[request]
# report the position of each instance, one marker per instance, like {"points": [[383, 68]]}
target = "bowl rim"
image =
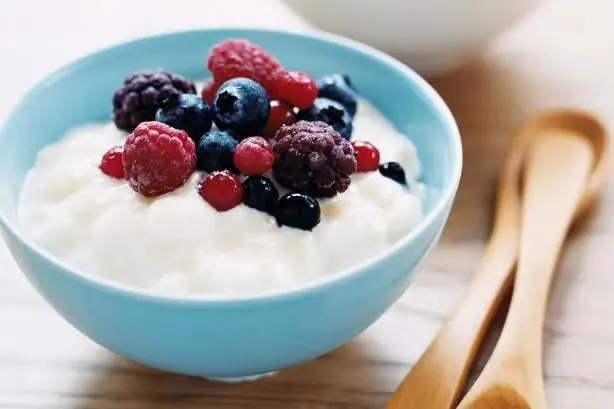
{"points": [[224, 300]]}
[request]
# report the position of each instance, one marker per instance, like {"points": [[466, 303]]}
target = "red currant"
{"points": [[296, 88], [208, 91], [222, 190], [112, 163], [253, 156], [281, 114], [367, 156]]}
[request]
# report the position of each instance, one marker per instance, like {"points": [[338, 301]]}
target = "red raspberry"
{"points": [[234, 58], [367, 156], [158, 158], [296, 88], [281, 114], [253, 156], [222, 190], [208, 91], [112, 163]]}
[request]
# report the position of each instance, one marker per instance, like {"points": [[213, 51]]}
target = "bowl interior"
{"points": [[82, 91]]}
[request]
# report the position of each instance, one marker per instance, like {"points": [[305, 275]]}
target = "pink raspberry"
{"points": [[158, 158], [234, 58], [296, 88], [253, 156]]}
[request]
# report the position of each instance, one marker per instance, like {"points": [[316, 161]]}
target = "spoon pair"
{"points": [[559, 158]]}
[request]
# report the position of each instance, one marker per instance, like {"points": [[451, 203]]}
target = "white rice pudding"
{"points": [[177, 244]]}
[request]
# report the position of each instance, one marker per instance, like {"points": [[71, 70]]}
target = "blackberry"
{"points": [[313, 158], [142, 93]]}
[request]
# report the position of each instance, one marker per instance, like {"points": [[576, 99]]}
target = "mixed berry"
{"points": [[281, 141]]}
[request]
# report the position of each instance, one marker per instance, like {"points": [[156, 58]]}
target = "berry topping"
{"points": [[187, 112], [233, 58], [253, 156], [260, 193], [141, 94], [281, 114], [338, 87], [208, 91], [242, 106], [158, 158], [222, 190], [313, 158], [331, 112], [296, 88], [394, 171], [367, 156], [297, 210], [215, 151], [112, 163]]}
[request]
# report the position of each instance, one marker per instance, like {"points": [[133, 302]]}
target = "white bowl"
{"points": [[433, 36]]}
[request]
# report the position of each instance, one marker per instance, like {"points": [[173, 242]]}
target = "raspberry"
{"points": [[141, 94], [208, 91], [112, 163], [254, 156], [222, 190], [296, 88], [313, 158], [158, 158], [367, 156], [234, 58], [281, 114]]}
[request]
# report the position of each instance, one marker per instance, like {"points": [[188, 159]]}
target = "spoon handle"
{"points": [[555, 178]]}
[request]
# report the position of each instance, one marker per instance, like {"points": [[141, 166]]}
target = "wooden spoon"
{"points": [[437, 379], [563, 171]]}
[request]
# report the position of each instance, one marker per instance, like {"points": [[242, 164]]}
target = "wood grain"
{"points": [[560, 56]]}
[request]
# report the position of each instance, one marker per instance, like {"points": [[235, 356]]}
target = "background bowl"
{"points": [[434, 36], [240, 337]]}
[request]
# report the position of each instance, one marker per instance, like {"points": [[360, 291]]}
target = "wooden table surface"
{"points": [[562, 55]]}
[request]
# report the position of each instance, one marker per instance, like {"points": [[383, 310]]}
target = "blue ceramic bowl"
{"points": [[225, 338]]}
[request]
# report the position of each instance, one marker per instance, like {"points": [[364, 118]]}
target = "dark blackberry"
{"points": [[141, 95], [313, 158]]}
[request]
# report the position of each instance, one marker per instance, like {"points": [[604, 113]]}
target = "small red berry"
{"points": [[208, 91], [112, 163], [281, 114], [222, 190], [253, 156], [296, 88], [367, 156]]}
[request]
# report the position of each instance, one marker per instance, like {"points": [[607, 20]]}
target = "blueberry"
{"points": [[298, 211], [187, 112], [215, 151], [394, 171], [260, 193], [338, 87], [331, 112], [241, 105]]}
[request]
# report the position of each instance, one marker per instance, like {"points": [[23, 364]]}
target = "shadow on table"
{"points": [[341, 378]]}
